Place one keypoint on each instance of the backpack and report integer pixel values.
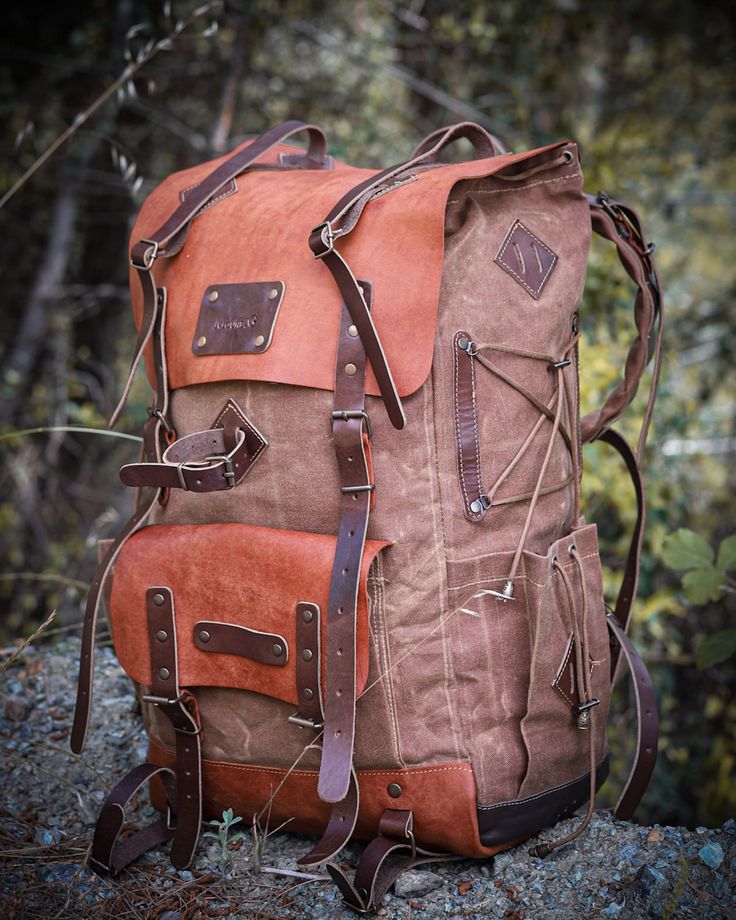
(357, 593)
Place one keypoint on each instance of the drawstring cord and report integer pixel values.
(587, 702)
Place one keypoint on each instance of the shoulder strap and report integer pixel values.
(621, 225)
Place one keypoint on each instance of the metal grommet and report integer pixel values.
(162, 635)
(201, 341)
(567, 156)
(212, 296)
(159, 600)
(260, 339)
(204, 636)
(307, 654)
(571, 548)
(308, 694)
(307, 616)
(164, 673)
(394, 790)
(352, 331)
(273, 293)
(277, 649)
(350, 369)
(463, 343)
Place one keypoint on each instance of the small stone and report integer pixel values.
(701, 830)
(415, 884)
(650, 884)
(16, 708)
(729, 825)
(613, 909)
(654, 836)
(711, 854)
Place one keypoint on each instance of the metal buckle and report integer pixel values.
(347, 490)
(299, 720)
(345, 414)
(149, 257)
(327, 236)
(229, 473)
(169, 815)
(161, 700)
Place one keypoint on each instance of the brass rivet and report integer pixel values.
(201, 341)
(353, 330)
(260, 339)
(278, 649)
(212, 296)
(394, 790)
(163, 673)
(204, 636)
(159, 600)
(308, 694)
(307, 616)
(350, 369)
(307, 654)
(162, 635)
(273, 293)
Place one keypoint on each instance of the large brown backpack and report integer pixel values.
(357, 592)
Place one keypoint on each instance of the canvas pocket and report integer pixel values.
(241, 585)
(513, 661)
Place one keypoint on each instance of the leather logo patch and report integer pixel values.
(526, 258)
(237, 319)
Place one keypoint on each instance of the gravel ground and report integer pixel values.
(49, 801)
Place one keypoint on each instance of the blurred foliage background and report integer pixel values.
(647, 90)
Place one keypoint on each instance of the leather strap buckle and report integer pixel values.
(148, 257)
(297, 719)
(229, 473)
(345, 414)
(326, 235)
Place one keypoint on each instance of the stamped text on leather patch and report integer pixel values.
(526, 258)
(237, 319)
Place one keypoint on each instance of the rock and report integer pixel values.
(711, 854)
(729, 825)
(650, 887)
(16, 708)
(654, 836)
(613, 909)
(415, 884)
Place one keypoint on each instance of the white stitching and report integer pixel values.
(501, 254)
(561, 670)
(230, 189)
(538, 584)
(532, 798)
(522, 188)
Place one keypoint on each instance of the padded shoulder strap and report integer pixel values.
(621, 225)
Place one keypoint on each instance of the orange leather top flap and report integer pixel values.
(259, 233)
(239, 574)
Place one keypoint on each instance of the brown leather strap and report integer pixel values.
(384, 859)
(181, 710)
(229, 639)
(466, 424)
(340, 827)
(350, 442)
(621, 225)
(309, 664)
(169, 239)
(484, 143)
(153, 435)
(647, 719)
(108, 855)
(630, 580)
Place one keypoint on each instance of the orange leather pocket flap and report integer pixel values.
(247, 576)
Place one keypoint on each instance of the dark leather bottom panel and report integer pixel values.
(524, 817)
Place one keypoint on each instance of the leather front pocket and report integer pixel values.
(238, 591)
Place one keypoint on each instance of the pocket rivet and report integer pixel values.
(201, 341)
(278, 649)
(350, 369)
(352, 331)
(394, 790)
(260, 339)
(162, 635)
(159, 600)
(307, 616)
(212, 296)
(273, 293)
(307, 654)
(308, 694)
(164, 673)
(204, 636)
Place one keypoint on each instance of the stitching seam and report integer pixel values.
(538, 584)
(523, 188)
(535, 292)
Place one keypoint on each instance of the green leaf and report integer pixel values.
(227, 816)
(716, 648)
(684, 549)
(727, 554)
(701, 585)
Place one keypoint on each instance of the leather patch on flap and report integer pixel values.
(237, 319)
(526, 258)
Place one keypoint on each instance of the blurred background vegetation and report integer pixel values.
(647, 90)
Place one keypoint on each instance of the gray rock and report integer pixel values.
(16, 708)
(416, 883)
(711, 854)
(651, 887)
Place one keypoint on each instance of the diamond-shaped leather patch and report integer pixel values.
(526, 258)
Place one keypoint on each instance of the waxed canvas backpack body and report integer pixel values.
(357, 588)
